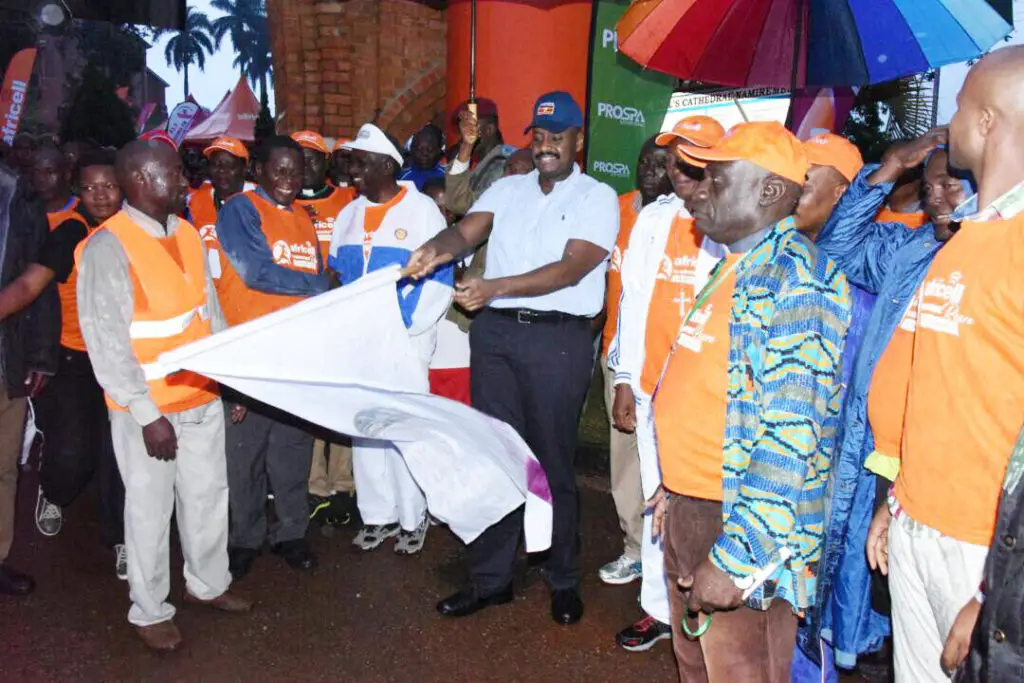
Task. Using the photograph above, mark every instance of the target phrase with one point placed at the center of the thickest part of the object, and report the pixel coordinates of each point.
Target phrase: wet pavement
(364, 617)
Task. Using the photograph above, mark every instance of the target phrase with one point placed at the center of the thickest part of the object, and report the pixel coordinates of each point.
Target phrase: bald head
(151, 176)
(989, 122)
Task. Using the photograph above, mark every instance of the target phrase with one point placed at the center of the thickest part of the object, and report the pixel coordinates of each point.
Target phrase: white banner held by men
(337, 359)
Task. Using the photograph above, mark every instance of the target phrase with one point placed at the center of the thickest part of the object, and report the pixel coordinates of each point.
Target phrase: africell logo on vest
(297, 256)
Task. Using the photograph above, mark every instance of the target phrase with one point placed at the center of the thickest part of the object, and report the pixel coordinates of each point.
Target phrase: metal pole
(472, 54)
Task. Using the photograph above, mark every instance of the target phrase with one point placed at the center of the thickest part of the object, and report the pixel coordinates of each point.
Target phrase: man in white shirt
(551, 232)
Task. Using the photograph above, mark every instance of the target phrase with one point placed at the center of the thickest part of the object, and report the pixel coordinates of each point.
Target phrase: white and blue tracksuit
(386, 490)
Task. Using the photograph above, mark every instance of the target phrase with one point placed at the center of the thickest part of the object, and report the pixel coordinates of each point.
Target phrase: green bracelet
(701, 629)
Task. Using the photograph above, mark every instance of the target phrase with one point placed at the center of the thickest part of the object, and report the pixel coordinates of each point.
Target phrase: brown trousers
(742, 645)
(12, 427)
(331, 470)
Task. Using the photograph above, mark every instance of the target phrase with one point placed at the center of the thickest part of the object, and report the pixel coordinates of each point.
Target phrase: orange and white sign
(14, 95)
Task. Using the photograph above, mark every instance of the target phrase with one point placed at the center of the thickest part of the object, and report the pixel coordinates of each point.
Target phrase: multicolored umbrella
(800, 43)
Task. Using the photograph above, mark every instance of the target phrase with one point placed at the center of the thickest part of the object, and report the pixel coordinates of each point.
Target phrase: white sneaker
(49, 518)
(621, 571)
(372, 535)
(411, 542)
(121, 565)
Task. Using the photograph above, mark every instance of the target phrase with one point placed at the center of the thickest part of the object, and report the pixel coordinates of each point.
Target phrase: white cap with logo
(372, 139)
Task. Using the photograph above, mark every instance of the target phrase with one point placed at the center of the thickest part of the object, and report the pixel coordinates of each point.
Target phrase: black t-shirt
(58, 252)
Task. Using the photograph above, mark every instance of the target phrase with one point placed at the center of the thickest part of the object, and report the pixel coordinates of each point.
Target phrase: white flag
(341, 360)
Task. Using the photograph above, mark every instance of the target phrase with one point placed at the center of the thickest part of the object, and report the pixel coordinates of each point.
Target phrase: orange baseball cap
(232, 146)
(311, 140)
(828, 149)
(702, 131)
(340, 142)
(764, 143)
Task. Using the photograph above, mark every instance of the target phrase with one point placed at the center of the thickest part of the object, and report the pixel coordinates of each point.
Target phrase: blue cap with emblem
(556, 111)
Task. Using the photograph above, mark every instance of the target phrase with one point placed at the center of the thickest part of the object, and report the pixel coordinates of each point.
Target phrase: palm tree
(190, 45)
(245, 22)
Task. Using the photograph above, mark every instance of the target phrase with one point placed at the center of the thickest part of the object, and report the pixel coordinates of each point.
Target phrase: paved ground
(367, 618)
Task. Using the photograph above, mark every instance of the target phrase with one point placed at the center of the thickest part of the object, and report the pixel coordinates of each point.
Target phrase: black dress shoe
(297, 554)
(464, 603)
(566, 606)
(240, 561)
(13, 582)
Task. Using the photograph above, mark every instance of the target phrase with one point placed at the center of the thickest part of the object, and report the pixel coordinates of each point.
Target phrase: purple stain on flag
(537, 480)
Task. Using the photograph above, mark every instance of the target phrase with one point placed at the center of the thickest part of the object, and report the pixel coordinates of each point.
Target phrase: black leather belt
(527, 316)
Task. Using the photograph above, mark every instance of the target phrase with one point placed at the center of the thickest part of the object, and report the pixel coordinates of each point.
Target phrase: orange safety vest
(70, 332)
(169, 284)
(293, 244)
(323, 211)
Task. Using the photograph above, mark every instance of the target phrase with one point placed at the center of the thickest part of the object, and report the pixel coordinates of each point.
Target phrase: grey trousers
(268, 452)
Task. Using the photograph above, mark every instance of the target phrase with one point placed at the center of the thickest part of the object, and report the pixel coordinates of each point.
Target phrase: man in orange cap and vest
(331, 486)
(663, 258)
(227, 163)
(321, 200)
(745, 415)
(271, 261)
(144, 288)
(340, 159)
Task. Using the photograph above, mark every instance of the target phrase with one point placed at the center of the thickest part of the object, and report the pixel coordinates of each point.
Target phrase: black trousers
(74, 420)
(534, 376)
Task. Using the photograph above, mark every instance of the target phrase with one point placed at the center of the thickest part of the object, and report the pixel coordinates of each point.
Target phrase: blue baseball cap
(556, 111)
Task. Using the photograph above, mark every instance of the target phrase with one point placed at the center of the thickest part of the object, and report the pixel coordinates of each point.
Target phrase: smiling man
(321, 200)
(551, 232)
(271, 261)
(745, 416)
(380, 229)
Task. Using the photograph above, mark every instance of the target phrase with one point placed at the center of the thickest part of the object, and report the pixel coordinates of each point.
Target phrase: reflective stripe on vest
(161, 329)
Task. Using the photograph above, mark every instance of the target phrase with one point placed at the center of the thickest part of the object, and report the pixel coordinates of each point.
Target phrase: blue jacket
(890, 261)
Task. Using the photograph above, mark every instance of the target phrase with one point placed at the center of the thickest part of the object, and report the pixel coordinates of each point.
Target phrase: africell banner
(627, 103)
(14, 95)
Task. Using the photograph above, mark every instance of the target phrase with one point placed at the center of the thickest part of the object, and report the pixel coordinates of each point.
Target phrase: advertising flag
(14, 96)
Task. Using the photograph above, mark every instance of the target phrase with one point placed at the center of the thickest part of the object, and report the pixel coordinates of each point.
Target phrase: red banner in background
(820, 110)
(14, 95)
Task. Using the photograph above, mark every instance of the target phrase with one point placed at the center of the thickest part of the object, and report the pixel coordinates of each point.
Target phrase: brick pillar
(337, 64)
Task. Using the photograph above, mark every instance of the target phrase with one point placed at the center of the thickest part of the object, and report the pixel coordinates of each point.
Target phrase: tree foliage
(190, 45)
(245, 23)
(97, 113)
(265, 126)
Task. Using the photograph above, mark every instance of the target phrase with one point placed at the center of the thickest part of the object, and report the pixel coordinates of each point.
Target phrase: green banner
(627, 103)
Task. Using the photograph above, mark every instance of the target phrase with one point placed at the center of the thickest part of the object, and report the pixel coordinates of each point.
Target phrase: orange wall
(523, 49)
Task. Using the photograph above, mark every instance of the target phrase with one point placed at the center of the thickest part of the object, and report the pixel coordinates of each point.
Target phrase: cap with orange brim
(829, 149)
(232, 146)
(310, 139)
(702, 131)
(763, 143)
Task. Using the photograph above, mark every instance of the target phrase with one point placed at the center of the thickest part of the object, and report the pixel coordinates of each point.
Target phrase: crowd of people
(813, 368)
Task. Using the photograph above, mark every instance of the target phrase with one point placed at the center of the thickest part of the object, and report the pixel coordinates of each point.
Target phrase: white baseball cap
(372, 139)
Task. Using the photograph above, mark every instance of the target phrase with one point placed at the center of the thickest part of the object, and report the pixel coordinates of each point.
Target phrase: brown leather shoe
(226, 601)
(163, 637)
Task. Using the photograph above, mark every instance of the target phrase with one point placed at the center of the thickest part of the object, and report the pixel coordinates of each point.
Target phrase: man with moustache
(534, 333)
(144, 288)
(666, 255)
(271, 261)
(745, 417)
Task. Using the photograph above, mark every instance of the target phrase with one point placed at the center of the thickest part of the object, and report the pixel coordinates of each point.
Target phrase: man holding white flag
(551, 232)
(144, 288)
(381, 228)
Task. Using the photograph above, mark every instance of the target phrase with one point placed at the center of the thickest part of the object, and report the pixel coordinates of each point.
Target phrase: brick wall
(338, 65)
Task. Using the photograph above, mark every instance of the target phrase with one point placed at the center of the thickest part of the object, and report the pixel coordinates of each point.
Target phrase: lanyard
(718, 275)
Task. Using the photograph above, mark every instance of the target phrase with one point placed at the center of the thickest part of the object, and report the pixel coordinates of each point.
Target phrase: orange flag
(14, 95)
